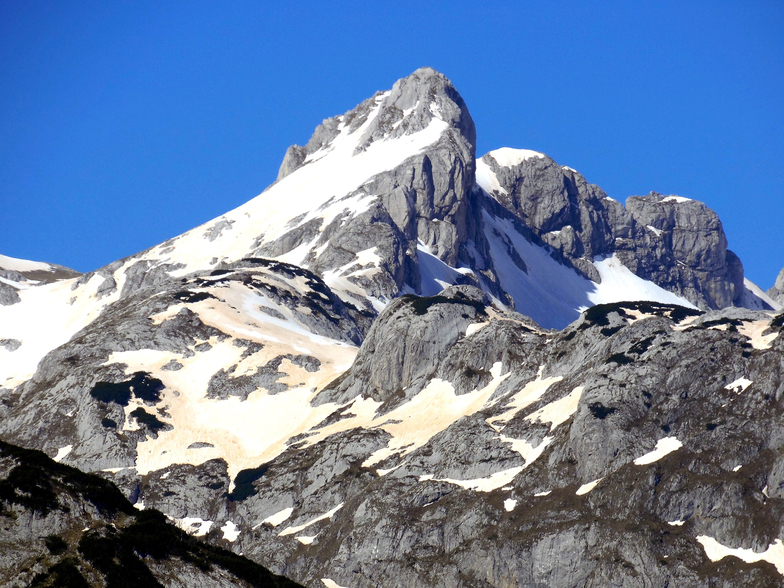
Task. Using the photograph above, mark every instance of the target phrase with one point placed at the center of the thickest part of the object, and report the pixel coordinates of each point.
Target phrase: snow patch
(230, 531)
(62, 453)
(331, 583)
(663, 447)
(509, 504)
(530, 393)
(715, 551)
(676, 523)
(675, 199)
(739, 386)
(545, 493)
(297, 529)
(493, 482)
(586, 488)
(278, 517)
(23, 265)
(509, 157)
(558, 411)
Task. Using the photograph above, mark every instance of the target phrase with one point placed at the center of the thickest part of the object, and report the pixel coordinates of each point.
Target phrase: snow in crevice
(586, 488)
(559, 411)
(664, 446)
(276, 519)
(298, 528)
(530, 393)
(488, 484)
(194, 526)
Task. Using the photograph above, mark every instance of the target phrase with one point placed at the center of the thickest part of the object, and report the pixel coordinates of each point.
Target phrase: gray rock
(8, 295)
(685, 251)
(777, 290)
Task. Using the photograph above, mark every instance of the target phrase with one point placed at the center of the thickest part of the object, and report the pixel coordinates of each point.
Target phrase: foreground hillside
(62, 528)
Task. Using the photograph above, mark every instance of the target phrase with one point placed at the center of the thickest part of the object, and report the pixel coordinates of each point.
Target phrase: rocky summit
(401, 365)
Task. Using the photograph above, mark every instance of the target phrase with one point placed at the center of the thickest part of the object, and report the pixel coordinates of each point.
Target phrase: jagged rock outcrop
(676, 243)
(680, 245)
(422, 201)
(777, 291)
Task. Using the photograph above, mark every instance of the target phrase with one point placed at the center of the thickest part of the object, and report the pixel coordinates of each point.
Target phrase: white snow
(558, 411)
(545, 493)
(139, 505)
(297, 529)
(230, 531)
(737, 467)
(194, 526)
(756, 299)
(63, 452)
(493, 482)
(530, 393)
(278, 517)
(654, 230)
(586, 488)
(331, 583)
(676, 523)
(715, 551)
(509, 504)
(675, 199)
(317, 189)
(754, 331)
(23, 265)
(526, 450)
(436, 275)
(664, 447)
(739, 386)
(475, 327)
(487, 179)
(571, 169)
(554, 294)
(431, 411)
(44, 319)
(509, 157)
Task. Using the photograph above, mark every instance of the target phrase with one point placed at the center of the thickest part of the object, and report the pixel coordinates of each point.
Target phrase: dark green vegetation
(142, 385)
(121, 541)
(422, 304)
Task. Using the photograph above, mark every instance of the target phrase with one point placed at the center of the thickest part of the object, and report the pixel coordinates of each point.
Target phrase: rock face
(61, 527)
(676, 243)
(777, 291)
(684, 250)
(402, 366)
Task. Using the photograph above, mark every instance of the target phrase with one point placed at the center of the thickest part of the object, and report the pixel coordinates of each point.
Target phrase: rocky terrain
(401, 365)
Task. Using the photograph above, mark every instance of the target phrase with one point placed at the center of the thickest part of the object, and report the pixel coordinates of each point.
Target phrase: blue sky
(123, 124)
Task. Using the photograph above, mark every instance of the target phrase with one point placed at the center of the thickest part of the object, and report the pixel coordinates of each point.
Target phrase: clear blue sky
(125, 123)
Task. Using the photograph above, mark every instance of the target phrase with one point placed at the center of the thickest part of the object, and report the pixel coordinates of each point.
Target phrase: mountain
(402, 365)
